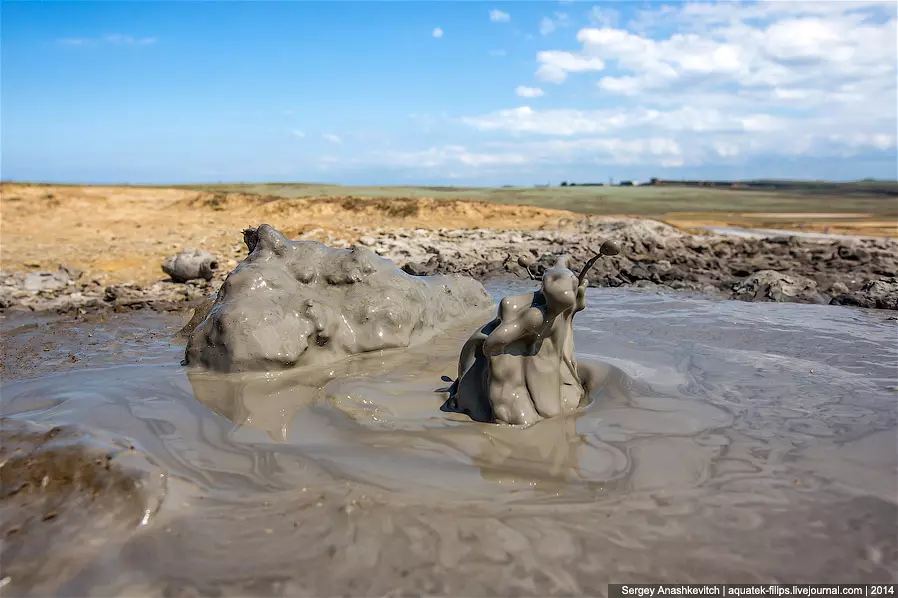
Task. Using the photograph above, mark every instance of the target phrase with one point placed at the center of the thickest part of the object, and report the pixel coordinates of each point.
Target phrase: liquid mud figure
(520, 367)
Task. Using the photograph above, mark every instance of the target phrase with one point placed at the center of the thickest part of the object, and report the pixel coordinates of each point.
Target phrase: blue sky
(446, 92)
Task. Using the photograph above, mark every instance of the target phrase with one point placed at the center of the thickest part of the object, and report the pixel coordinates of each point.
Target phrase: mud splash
(731, 441)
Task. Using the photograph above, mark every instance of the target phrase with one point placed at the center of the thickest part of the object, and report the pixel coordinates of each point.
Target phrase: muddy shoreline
(849, 271)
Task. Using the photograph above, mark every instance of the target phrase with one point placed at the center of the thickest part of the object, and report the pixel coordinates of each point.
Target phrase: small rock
(838, 288)
(769, 285)
(190, 264)
(852, 253)
(72, 273)
(366, 240)
(878, 294)
(47, 281)
(526, 261)
(417, 269)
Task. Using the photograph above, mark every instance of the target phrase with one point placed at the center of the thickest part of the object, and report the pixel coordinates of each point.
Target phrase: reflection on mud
(381, 401)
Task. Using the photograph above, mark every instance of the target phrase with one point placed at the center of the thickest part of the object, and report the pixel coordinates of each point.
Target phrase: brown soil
(122, 233)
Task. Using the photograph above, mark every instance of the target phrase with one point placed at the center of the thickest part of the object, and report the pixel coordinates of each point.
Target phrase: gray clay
(298, 303)
(190, 264)
(520, 367)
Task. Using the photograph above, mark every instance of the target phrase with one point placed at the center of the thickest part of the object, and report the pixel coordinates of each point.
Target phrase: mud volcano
(520, 368)
(299, 303)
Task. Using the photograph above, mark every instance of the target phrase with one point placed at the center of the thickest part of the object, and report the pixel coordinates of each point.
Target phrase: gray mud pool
(731, 442)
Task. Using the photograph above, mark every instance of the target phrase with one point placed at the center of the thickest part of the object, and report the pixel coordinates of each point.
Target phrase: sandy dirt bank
(113, 240)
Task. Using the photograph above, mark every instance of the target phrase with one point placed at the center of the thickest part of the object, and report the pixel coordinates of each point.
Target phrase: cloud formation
(332, 138)
(684, 86)
(498, 16)
(733, 82)
(548, 25)
(528, 92)
(437, 32)
(115, 39)
(556, 64)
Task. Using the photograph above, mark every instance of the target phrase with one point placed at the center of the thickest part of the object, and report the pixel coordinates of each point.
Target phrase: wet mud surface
(731, 441)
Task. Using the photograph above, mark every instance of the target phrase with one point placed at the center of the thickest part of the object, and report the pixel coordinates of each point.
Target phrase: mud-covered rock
(190, 264)
(50, 281)
(876, 294)
(768, 285)
(295, 303)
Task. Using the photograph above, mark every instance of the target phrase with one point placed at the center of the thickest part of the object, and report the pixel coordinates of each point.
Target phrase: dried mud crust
(658, 256)
(66, 494)
(858, 272)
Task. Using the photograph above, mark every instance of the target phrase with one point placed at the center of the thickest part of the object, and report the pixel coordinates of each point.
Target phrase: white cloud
(529, 92)
(437, 32)
(603, 17)
(497, 16)
(548, 25)
(332, 138)
(731, 80)
(690, 85)
(651, 150)
(556, 64)
(450, 156)
(298, 133)
(772, 48)
(700, 135)
(566, 122)
(115, 39)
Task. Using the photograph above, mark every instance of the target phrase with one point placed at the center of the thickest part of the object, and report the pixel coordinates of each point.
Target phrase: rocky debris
(297, 303)
(51, 281)
(768, 285)
(93, 295)
(653, 256)
(190, 264)
(876, 294)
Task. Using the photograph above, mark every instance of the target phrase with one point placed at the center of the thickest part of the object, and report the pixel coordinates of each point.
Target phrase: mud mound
(303, 303)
